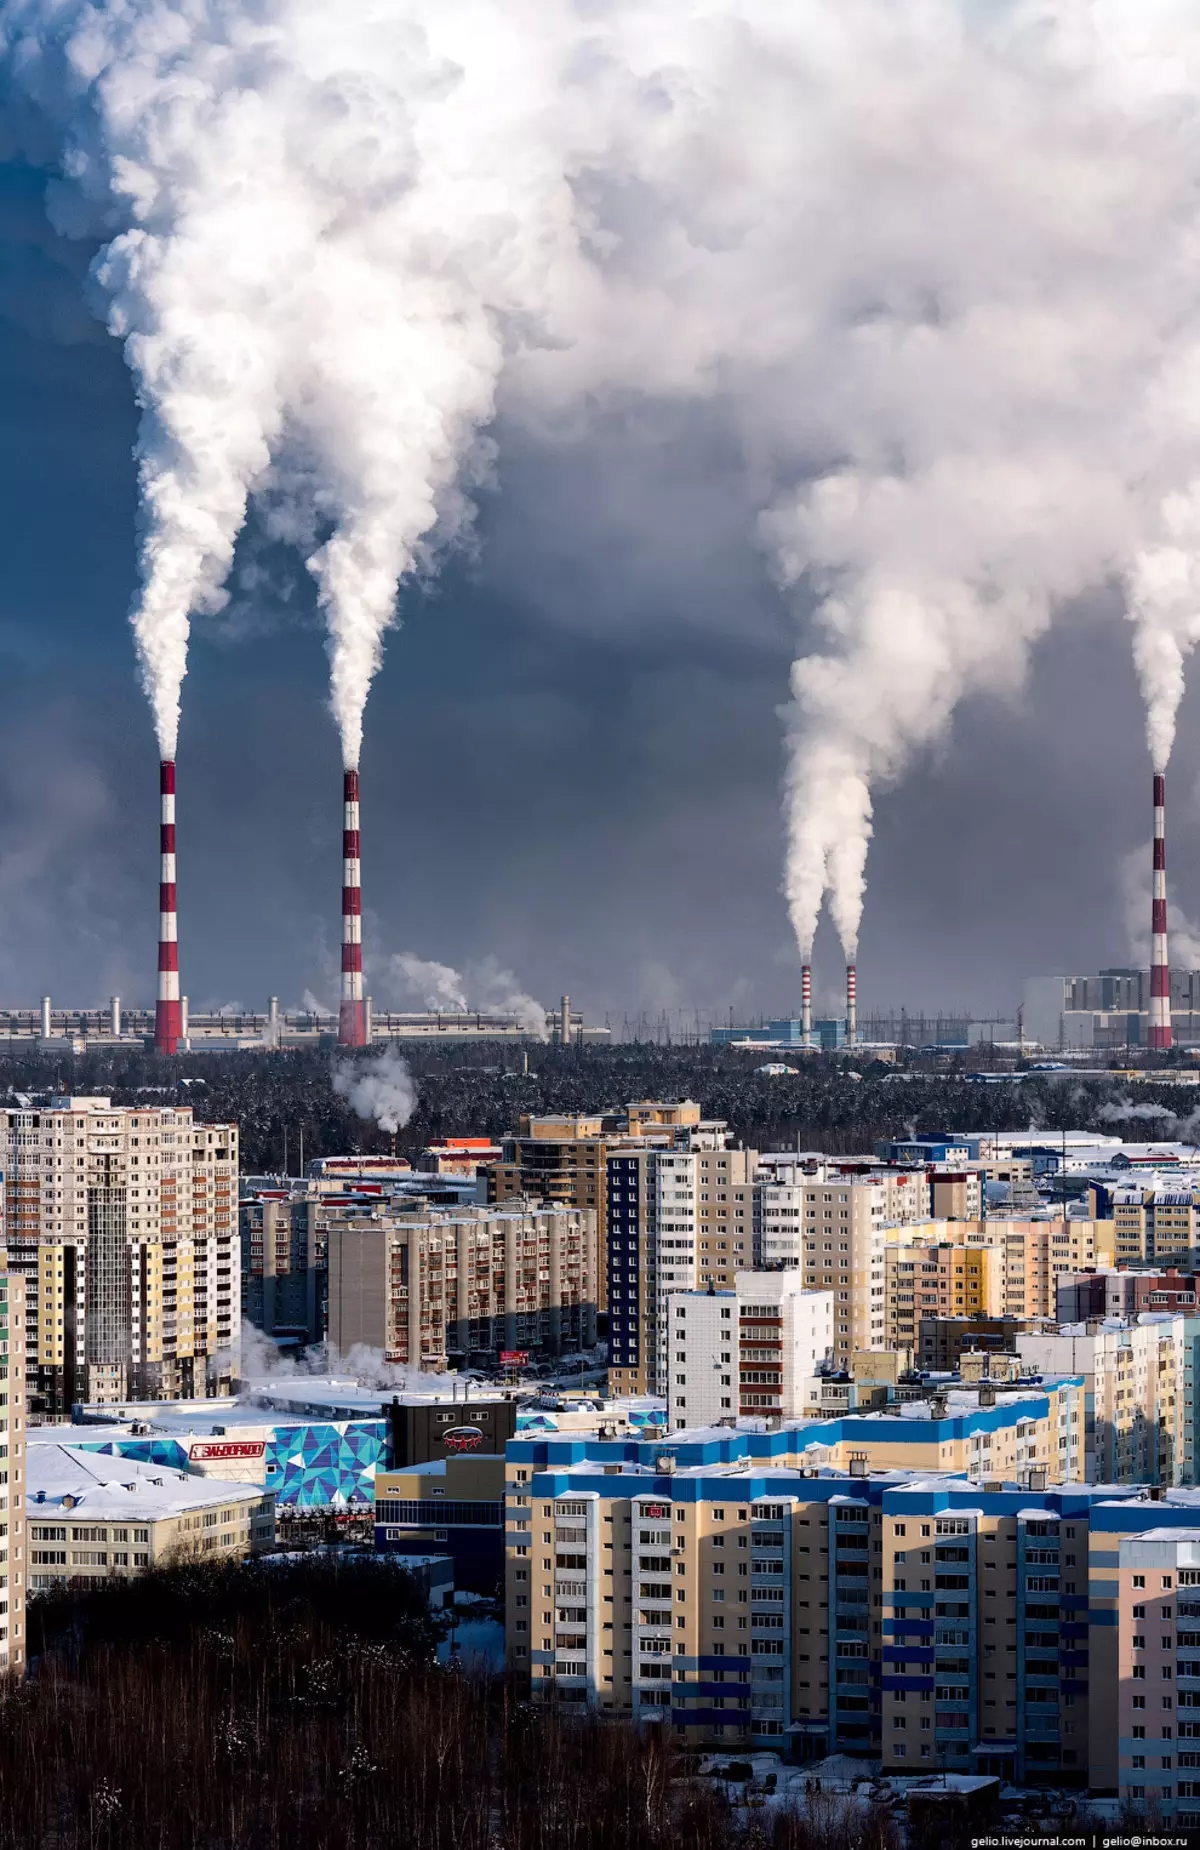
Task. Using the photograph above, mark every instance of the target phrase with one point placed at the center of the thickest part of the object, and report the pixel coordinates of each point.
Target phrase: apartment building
(284, 1252)
(835, 1232)
(941, 1280)
(430, 1286)
(1158, 1672)
(938, 1625)
(752, 1350)
(678, 1220)
(564, 1158)
(122, 1221)
(13, 1558)
(1141, 1394)
(1111, 1293)
(91, 1517)
(943, 1341)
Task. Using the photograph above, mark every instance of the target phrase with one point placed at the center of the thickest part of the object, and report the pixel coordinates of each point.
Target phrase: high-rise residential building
(835, 1232)
(1156, 1673)
(433, 1287)
(938, 1281)
(1155, 1219)
(1141, 1380)
(284, 1248)
(932, 1623)
(752, 1350)
(13, 1558)
(678, 1220)
(122, 1221)
(564, 1158)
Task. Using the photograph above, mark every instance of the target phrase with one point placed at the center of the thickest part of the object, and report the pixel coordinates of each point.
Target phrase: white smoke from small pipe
(381, 1089)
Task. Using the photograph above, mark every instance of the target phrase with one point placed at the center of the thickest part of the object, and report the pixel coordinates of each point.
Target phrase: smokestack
(352, 1026)
(45, 1018)
(183, 1017)
(806, 1000)
(564, 1021)
(1160, 973)
(115, 1005)
(851, 1004)
(167, 1022)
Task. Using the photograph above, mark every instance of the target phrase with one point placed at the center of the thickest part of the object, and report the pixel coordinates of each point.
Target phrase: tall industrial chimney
(806, 999)
(352, 1023)
(168, 1024)
(851, 1004)
(1160, 972)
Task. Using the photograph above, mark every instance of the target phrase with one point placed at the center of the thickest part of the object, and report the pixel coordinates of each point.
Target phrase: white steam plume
(439, 986)
(326, 227)
(435, 985)
(1164, 607)
(381, 1089)
(938, 258)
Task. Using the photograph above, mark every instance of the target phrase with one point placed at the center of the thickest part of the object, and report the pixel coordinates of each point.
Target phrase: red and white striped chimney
(352, 1019)
(806, 999)
(1160, 973)
(168, 1024)
(851, 1004)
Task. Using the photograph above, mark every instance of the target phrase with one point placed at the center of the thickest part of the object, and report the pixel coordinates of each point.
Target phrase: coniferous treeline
(299, 1706)
(481, 1088)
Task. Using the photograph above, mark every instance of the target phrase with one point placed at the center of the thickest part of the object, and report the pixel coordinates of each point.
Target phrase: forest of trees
(478, 1089)
(282, 1704)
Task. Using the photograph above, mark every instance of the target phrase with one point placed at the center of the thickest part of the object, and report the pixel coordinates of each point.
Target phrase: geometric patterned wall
(328, 1464)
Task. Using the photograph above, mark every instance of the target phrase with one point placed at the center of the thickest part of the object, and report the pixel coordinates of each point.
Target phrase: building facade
(430, 1287)
(91, 1518)
(938, 1281)
(678, 1220)
(123, 1224)
(1141, 1394)
(752, 1350)
(935, 1624)
(285, 1261)
(13, 1557)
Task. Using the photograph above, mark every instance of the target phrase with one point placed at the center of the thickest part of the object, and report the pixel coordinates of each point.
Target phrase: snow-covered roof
(110, 1488)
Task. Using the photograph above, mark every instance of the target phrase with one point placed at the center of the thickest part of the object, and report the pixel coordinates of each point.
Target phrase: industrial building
(54, 1029)
(1108, 1011)
(122, 1221)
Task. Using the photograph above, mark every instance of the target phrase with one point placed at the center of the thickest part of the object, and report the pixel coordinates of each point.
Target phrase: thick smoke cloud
(935, 259)
(381, 1089)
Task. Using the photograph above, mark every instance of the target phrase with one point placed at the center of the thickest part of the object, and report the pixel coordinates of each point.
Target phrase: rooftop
(110, 1488)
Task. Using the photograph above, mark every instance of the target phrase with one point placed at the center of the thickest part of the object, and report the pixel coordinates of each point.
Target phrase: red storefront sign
(213, 1450)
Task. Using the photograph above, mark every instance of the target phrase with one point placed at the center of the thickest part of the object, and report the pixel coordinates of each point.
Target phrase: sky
(572, 757)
